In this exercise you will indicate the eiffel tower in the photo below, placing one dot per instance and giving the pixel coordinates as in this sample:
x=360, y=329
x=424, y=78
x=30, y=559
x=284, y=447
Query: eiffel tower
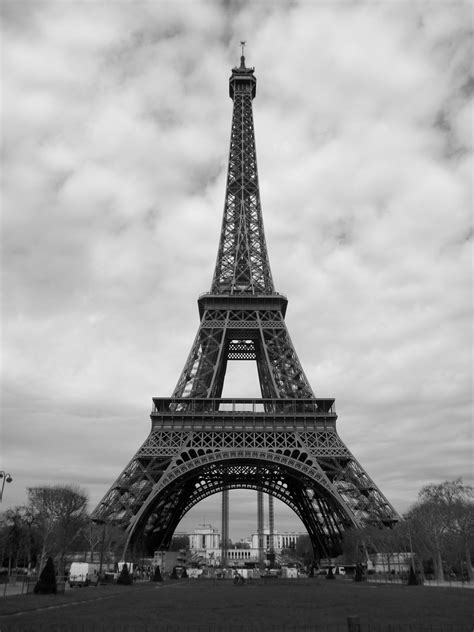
x=285, y=443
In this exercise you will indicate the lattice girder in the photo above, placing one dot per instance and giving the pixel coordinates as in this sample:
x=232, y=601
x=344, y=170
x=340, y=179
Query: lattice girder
x=280, y=371
x=250, y=469
x=242, y=261
x=296, y=435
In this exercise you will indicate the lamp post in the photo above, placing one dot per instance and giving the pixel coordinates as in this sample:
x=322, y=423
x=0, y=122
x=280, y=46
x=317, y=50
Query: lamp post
x=6, y=478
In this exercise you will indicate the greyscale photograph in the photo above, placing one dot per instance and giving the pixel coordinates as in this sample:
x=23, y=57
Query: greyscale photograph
x=236, y=316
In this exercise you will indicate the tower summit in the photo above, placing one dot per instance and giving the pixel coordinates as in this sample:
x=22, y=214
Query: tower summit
x=284, y=444
x=242, y=265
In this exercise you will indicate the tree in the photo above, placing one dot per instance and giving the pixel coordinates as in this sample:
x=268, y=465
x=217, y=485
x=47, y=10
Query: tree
x=59, y=513
x=358, y=544
x=304, y=550
x=242, y=545
x=179, y=542
x=443, y=515
x=89, y=539
x=13, y=537
x=16, y=537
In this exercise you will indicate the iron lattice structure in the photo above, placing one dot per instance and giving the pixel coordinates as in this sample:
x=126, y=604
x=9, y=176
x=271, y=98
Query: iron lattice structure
x=284, y=444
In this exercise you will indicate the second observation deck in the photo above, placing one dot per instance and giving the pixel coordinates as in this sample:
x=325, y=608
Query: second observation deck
x=243, y=414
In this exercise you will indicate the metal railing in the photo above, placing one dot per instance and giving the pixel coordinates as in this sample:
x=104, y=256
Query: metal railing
x=244, y=406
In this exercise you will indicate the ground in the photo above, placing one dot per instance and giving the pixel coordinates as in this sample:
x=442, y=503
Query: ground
x=261, y=605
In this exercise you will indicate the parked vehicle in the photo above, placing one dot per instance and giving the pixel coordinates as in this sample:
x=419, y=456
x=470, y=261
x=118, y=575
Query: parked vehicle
x=83, y=574
x=179, y=572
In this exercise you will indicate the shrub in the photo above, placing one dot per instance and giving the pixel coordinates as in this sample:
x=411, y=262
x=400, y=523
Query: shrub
x=46, y=583
x=359, y=573
x=124, y=578
x=157, y=575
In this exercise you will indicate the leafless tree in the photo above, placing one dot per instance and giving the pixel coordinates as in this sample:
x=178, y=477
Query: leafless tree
x=444, y=513
x=59, y=513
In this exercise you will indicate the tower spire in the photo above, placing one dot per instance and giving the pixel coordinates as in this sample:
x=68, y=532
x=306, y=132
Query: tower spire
x=242, y=58
x=242, y=265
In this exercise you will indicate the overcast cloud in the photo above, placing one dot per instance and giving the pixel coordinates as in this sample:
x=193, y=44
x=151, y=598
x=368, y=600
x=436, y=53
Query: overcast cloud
x=115, y=131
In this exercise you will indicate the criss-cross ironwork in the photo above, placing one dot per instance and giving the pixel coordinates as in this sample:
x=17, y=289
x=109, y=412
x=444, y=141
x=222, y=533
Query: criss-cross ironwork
x=284, y=444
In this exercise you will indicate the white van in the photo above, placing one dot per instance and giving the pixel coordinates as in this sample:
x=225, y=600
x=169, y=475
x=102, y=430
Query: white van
x=83, y=574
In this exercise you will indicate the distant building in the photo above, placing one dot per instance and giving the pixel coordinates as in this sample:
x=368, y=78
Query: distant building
x=389, y=562
x=204, y=538
x=280, y=540
x=205, y=546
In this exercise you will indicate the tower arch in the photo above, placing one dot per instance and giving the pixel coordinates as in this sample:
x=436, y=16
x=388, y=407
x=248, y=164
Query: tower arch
x=289, y=480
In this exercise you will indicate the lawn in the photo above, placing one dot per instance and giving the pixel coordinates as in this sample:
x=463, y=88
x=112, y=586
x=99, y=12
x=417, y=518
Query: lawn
x=218, y=606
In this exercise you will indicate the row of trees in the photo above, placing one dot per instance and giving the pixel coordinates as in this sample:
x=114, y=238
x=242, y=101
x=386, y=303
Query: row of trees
x=437, y=533
x=438, y=529
x=54, y=522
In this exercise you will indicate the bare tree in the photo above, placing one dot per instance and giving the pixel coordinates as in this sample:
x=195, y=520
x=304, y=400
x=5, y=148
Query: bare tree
x=92, y=534
x=443, y=511
x=18, y=541
x=59, y=513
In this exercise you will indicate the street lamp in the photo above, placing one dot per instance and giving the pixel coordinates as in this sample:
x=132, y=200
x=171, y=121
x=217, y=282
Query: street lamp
x=7, y=478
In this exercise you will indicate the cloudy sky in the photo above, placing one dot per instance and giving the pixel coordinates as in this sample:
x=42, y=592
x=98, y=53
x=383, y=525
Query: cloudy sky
x=115, y=132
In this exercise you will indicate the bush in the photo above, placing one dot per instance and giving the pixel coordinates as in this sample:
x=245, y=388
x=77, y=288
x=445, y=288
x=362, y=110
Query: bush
x=124, y=578
x=157, y=575
x=46, y=583
x=359, y=573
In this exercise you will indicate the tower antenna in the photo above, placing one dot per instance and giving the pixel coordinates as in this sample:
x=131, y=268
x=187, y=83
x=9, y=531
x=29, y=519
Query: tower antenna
x=243, y=46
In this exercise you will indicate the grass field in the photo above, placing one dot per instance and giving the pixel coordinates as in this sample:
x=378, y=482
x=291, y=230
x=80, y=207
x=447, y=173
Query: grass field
x=219, y=606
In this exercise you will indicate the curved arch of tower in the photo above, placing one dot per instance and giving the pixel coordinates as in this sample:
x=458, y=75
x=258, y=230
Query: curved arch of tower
x=284, y=444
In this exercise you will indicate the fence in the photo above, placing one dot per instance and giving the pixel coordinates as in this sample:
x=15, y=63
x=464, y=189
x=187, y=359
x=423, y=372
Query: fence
x=23, y=585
